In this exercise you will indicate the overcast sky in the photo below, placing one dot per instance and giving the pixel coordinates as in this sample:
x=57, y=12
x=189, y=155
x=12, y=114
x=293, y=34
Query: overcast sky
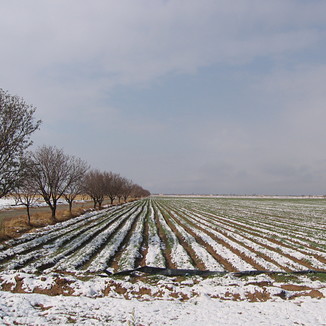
x=181, y=96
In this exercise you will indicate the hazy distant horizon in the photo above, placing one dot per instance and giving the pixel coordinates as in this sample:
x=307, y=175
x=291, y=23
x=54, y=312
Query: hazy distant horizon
x=238, y=195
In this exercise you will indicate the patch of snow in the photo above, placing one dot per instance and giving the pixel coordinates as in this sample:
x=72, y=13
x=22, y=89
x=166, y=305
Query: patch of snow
x=154, y=255
x=38, y=309
x=179, y=255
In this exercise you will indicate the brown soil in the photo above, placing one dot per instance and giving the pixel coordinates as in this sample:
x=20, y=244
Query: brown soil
x=141, y=260
x=253, y=232
x=225, y=263
x=13, y=222
x=225, y=244
x=197, y=262
x=293, y=287
x=63, y=286
x=42, y=307
x=313, y=294
x=232, y=296
x=258, y=296
x=267, y=258
x=114, y=261
x=164, y=239
x=101, y=247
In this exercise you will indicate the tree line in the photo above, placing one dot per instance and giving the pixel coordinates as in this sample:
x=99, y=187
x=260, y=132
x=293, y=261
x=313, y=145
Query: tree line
x=49, y=172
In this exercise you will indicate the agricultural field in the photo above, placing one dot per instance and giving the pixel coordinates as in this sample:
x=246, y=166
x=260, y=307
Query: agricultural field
x=226, y=235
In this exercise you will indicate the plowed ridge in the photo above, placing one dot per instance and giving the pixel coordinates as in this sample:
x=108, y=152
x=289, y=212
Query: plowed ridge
x=187, y=233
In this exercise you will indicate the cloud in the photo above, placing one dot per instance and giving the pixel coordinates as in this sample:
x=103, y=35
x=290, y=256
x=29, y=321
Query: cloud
x=69, y=58
x=302, y=91
x=131, y=42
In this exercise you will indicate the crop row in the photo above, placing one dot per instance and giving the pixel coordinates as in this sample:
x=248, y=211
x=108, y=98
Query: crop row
x=200, y=233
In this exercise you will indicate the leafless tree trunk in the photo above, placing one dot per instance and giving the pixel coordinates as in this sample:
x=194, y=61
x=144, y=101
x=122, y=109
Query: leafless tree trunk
x=93, y=185
x=139, y=192
x=112, y=185
x=25, y=192
x=126, y=189
x=98, y=185
x=78, y=171
x=17, y=123
x=55, y=172
x=27, y=199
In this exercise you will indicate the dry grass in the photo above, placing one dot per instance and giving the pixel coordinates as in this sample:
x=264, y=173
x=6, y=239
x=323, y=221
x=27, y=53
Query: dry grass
x=13, y=222
x=16, y=223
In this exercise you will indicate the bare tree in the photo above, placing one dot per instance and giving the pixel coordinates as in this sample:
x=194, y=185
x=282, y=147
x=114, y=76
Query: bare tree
x=99, y=185
x=71, y=193
x=17, y=123
x=119, y=186
x=139, y=192
x=94, y=186
x=26, y=192
x=126, y=189
x=77, y=174
x=54, y=173
x=112, y=185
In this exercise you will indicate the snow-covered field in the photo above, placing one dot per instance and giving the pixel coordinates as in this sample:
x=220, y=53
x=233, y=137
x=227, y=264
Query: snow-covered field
x=7, y=202
x=55, y=275
x=37, y=309
x=10, y=202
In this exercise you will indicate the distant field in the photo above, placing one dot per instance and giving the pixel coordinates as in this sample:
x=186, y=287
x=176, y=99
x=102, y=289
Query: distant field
x=194, y=233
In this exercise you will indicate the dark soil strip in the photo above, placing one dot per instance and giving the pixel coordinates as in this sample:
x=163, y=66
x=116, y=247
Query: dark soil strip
x=255, y=233
x=277, y=242
x=167, y=250
x=225, y=244
x=236, y=251
x=67, y=239
x=141, y=259
x=55, y=237
x=243, y=256
x=84, y=265
x=222, y=261
x=82, y=243
x=293, y=231
x=195, y=260
x=58, y=226
x=254, y=241
x=113, y=262
x=281, y=224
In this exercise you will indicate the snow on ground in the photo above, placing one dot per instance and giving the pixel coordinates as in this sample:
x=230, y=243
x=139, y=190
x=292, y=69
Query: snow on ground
x=7, y=202
x=10, y=202
x=55, y=298
x=158, y=300
x=38, y=309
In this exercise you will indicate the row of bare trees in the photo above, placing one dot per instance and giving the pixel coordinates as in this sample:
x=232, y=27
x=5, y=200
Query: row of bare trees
x=52, y=174
x=48, y=172
x=100, y=185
